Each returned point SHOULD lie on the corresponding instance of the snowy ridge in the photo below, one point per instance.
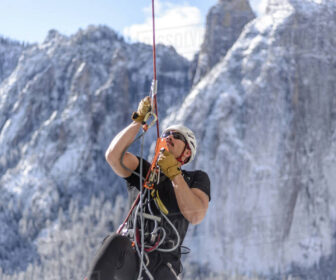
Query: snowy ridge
(306, 7)
(61, 106)
(261, 127)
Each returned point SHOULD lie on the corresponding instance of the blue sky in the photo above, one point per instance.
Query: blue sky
(30, 20)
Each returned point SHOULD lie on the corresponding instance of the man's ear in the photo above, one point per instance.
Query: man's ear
(187, 153)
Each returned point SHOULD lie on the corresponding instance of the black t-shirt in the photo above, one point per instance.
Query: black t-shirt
(195, 179)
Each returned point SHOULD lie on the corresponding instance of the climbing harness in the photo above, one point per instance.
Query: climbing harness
(145, 243)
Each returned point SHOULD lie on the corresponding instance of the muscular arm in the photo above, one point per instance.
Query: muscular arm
(193, 203)
(116, 148)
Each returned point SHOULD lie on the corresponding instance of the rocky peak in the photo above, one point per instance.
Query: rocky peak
(95, 33)
(225, 22)
(54, 35)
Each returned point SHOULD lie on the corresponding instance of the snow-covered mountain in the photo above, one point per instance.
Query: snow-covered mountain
(265, 117)
(60, 108)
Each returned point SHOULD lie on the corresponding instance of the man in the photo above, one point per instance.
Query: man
(183, 194)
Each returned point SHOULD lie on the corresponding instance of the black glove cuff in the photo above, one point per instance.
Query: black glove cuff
(135, 116)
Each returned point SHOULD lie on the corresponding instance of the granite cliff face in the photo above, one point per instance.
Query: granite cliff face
(266, 118)
(225, 22)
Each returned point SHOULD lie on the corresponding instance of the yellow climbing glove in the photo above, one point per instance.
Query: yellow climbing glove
(143, 108)
(169, 165)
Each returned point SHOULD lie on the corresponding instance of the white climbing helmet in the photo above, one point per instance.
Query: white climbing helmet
(188, 135)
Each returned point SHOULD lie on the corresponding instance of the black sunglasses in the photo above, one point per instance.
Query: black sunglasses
(175, 134)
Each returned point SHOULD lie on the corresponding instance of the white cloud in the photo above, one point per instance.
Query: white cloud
(180, 26)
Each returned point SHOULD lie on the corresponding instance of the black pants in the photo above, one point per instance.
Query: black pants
(117, 260)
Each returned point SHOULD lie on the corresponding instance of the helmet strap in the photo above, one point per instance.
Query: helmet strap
(179, 159)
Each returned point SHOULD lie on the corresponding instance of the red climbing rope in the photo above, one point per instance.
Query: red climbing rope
(154, 86)
(160, 143)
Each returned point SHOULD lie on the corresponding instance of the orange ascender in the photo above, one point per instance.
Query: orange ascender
(153, 175)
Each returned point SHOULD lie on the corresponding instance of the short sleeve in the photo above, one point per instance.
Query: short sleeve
(201, 181)
(133, 180)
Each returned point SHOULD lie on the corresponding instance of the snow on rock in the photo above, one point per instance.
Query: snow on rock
(60, 107)
(10, 52)
(265, 119)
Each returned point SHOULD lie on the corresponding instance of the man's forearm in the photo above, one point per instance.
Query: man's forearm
(193, 203)
(119, 143)
(123, 139)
